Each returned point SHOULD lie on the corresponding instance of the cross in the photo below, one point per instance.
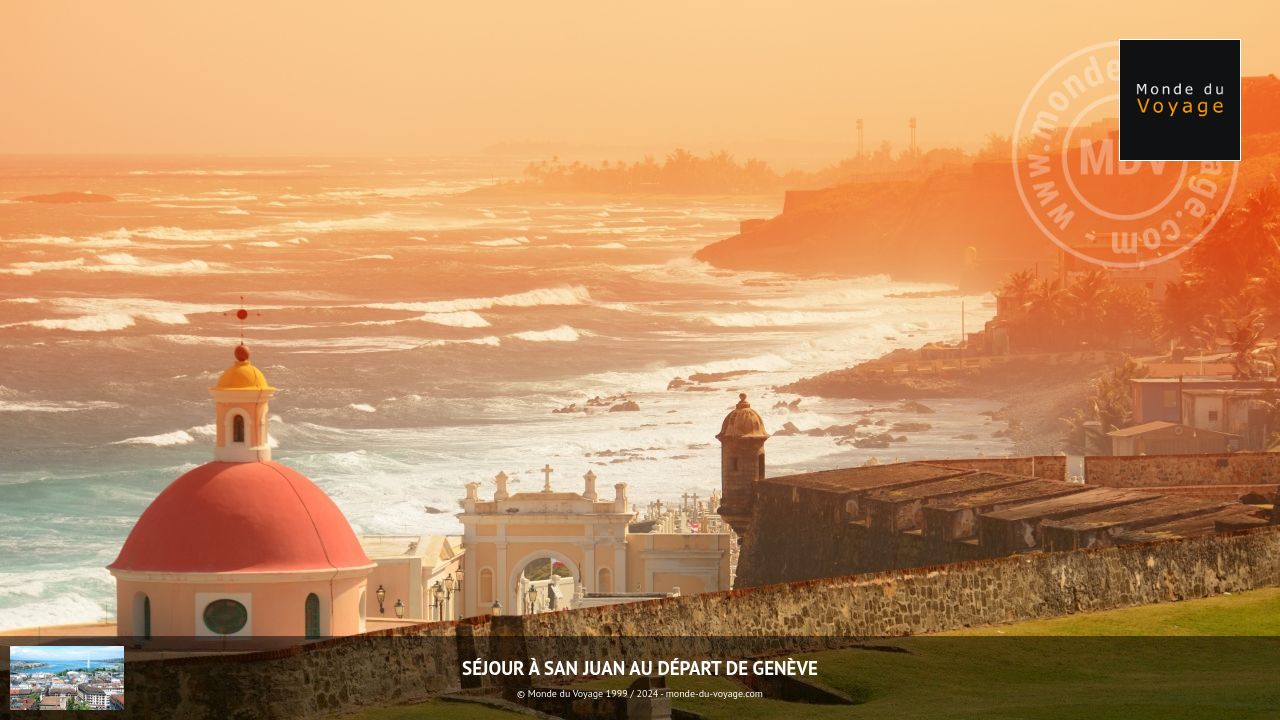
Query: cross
(685, 497)
(241, 315)
(546, 472)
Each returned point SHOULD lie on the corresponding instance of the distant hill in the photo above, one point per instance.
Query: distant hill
(66, 198)
(959, 224)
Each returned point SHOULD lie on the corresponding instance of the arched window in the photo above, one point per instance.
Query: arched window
(760, 469)
(486, 589)
(364, 611)
(142, 616)
(605, 584)
(237, 429)
(313, 616)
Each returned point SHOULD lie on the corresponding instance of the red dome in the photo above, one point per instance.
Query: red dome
(241, 517)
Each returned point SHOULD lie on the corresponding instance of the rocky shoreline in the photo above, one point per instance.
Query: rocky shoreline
(1035, 395)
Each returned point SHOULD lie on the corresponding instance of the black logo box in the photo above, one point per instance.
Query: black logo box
(1187, 68)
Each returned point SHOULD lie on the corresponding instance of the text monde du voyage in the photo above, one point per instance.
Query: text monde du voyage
(1179, 99)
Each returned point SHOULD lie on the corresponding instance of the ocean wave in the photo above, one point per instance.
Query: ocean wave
(575, 295)
(177, 437)
(363, 407)
(114, 263)
(109, 239)
(55, 407)
(519, 241)
(105, 314)
(564, 333)
(656, 379)
(372, 257)
(233, 211)
(782, 318)
(461, 319)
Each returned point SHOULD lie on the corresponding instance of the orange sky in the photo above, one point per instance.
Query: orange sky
(414, 78)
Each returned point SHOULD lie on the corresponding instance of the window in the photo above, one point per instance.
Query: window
(142, 616)
(1213, 416)
(313, 616)
(734, 464)
(605, 583)
(237, 429)
(225, 616)
(760, 469)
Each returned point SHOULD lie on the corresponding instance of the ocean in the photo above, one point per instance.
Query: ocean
(421, 326)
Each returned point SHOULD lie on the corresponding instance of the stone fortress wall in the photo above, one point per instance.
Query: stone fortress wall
(1228, 477)
(886, 517)
(334, 676)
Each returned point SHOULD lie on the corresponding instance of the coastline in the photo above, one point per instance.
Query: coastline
(1034, 394)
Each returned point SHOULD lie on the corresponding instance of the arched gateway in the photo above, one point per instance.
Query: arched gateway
(503, 537)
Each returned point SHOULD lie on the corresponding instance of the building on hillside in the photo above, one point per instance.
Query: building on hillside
(1166, 438)
(1245, 413)
(241, 546)
(418, 577)
(1160, 398)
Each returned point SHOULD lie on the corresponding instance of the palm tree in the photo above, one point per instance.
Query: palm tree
(1183, 310)
(1240, 324)
(1047, 309)
(1018, 285)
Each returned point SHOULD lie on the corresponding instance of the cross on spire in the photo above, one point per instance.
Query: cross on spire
(546, 472)
(241, 314)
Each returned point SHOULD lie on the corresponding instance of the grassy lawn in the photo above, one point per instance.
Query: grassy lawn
(1172, 661)
(1252, 613)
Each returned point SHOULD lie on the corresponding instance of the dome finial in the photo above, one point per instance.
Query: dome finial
(242, 353)
(742, 401)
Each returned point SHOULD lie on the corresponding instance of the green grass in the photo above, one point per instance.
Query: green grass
(1175, 661)
(1252, 613)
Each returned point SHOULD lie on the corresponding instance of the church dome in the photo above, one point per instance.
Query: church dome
(242, 375)
(241, 517)
(742, 422)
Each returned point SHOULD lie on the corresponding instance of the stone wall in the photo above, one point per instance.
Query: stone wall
(334, 676)
(1228, 476)
(1049, 467)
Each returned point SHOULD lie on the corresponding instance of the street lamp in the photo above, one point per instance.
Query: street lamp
(459, 579)
(438, 591)
(496, 610)
(530, 597)
(381, 592)
(448, 595)
(399, 608)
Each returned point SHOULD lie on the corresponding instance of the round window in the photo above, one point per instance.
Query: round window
(225, 616)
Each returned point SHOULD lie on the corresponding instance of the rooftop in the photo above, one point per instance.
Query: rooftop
(867, 477)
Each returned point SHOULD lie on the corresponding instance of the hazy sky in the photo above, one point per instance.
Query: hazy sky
(419, 77)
